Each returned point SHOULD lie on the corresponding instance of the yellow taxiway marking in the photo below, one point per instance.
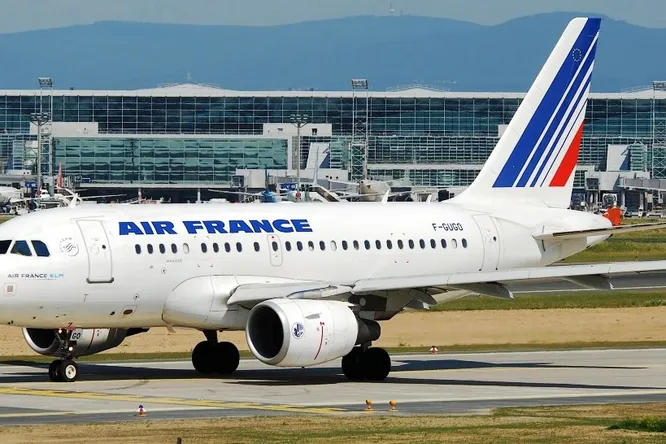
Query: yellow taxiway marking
(213, 404)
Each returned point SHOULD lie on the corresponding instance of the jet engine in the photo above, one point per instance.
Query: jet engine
(301, 332)
(87, 342)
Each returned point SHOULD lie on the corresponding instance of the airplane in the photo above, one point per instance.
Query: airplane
(311, 283)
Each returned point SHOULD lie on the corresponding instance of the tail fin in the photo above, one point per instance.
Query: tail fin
(535, 158)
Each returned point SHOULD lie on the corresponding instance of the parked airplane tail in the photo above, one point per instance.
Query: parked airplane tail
(535, 159)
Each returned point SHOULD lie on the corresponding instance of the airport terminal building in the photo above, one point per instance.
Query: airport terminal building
(190, 135)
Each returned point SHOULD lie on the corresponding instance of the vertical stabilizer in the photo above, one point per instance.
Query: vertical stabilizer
(535, 159)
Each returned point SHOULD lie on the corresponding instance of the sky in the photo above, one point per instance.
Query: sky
(23, 15)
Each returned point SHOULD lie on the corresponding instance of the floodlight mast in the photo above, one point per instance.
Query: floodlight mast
(298, 120)
(42, 119)
(363, 85)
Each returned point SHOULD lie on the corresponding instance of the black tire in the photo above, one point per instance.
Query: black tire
(376, 364)
(202, 357)
(68, 371)
(227, 358)
(54, 374)
(352, 365)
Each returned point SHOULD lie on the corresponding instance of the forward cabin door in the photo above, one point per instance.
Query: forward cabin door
(100, 266)
(491, 242)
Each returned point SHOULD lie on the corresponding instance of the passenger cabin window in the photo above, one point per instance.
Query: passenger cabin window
(137, 248)
(422, 243)
(433, 243)
(256, 246)
(400, 244)
(149, 247)
(239, 247)
(186, 248)
(274, 245)
(355, 245)
(174, 248)
(4, 246)
(344, 245)
(216, 248)
(464, 243)
(311, 245)
(443, 243)
(287, 245)
(411, 244)
(334, 246)
(322, 245)
(367, 244)
(40, 248)
(389, 244)
(21, 248)
(204, 247)
(227, 247)
(162, 249)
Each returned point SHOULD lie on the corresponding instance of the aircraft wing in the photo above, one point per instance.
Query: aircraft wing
(494, 283)
(597, 231)
(606, 276)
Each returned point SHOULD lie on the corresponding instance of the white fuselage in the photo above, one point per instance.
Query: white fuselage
(105, 269)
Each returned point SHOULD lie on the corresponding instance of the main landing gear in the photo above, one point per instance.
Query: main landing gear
(366, 364)
(64, 369)
(210, 356)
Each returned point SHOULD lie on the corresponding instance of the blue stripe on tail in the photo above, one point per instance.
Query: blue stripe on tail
(537, 124)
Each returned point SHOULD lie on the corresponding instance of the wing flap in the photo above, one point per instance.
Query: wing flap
(562, 235)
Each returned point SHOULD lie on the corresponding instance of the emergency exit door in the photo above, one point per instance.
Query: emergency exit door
(100, 265)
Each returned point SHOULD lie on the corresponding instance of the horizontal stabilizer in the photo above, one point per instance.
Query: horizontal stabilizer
(561, 235)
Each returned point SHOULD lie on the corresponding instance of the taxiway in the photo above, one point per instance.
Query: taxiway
(432, 384)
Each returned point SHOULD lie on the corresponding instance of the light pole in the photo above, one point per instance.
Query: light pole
(362, 84)
(299, 120)
(39, 119)
(45, 83)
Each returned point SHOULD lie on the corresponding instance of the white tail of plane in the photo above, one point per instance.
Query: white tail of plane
(535, 159)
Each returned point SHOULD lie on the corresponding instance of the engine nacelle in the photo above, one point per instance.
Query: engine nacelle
(87, 342)
(301, 332)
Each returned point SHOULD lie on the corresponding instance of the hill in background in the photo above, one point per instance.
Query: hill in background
(323, 55)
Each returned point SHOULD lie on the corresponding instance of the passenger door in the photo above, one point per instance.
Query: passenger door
(100, 265)
(491, 242)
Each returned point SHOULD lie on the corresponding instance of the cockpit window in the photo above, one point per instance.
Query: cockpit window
(4, 246)
(40, 248)
(21, 248)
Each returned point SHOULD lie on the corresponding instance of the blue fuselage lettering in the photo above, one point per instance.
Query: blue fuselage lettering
(163, 227)
(252, 226)
(214, 226)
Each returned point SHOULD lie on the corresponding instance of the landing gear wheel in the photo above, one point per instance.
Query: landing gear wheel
(54, 374)
(226, 358)
(376, 364)
(68, 370)
(202, 357)
(351, 365)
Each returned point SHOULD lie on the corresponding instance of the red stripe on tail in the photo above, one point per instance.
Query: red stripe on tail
(569, 162)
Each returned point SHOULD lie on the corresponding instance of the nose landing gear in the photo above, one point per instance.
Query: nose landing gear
(64, 369)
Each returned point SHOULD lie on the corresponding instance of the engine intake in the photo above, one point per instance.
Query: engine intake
(87, 342)
(301, 333)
